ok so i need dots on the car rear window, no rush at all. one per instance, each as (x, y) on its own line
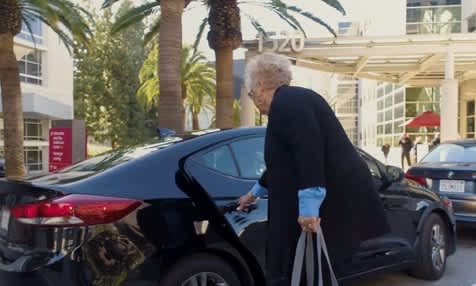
(117, 157)
(451, 153)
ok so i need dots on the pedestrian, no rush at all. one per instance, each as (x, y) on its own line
(385, 151)
(435, 142)
(418, 141)
(314, 174)
(406, 144)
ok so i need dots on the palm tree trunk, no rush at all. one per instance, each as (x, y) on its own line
(170, 40)
(12, 108)
(224, 98)
(195, 123)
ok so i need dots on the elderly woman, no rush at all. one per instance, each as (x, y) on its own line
(313, 172)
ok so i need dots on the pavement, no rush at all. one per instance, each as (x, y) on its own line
(460, 270)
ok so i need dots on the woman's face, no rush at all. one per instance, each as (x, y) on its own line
(260, 98)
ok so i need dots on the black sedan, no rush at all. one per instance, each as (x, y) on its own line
(450, 170)
(165, 214)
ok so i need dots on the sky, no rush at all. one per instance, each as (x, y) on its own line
(360, 10)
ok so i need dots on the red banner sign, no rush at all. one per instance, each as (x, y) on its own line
(60, 149)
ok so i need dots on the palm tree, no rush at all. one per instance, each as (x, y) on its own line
(169, 28)
(198, 83)
(224, 20)
(64, 18)
(225, 36)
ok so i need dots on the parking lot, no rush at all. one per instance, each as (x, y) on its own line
(460, 269)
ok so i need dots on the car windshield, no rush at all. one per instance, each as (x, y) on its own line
(114, 158)
(447, 153)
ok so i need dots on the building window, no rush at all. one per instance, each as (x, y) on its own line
(349, 29)
(472, 23)
(30, 68)
(33, 159)
(399, 97)
(344, 27)
(433, 16)
(33, 129)
(36, 33)
(470, 119)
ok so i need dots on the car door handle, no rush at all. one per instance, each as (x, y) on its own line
(232, 207)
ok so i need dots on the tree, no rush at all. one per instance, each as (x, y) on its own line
(64, 18)
(169, 27)
(106, 82)
(224, 20)
(225, 36)
(198, 83)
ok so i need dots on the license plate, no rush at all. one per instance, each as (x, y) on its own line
(4, 219)
(452, 186)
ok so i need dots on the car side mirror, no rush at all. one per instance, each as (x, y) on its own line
(394, 174)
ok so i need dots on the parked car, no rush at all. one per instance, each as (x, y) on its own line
(450, 170)
(165, 214)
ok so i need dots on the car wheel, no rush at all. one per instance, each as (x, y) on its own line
(432, 249)
(201, 270)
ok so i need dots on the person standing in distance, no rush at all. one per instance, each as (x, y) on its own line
(314, 175)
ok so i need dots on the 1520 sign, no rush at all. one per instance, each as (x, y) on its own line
(291, 43)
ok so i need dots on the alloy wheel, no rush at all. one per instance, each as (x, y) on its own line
(205, 279)
(438, 247)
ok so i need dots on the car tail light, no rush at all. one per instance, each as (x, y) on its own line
(74, 210)
(418, 179)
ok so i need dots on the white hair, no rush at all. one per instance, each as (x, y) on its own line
(271, 68)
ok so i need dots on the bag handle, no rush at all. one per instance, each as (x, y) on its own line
(305, 248)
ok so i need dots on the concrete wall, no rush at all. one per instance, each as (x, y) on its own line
(57, 72)
(320, 82)
(467, 93)
(368, 112)
(469, 8)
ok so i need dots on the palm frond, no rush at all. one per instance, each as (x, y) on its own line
(257, 25)
(335, 4)
(62, 16)
(28, 23)
(134, 15)
(109, 3)
(201, 30)
(153, 31)
(281, 9)
(313, 18)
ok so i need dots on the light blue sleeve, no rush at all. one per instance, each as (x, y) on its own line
(258, 190)
(310, 201)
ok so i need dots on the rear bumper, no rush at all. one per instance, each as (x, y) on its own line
(464, 209)
(21, 279)
(466, 219)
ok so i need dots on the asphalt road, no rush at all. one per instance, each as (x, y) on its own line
(460, 271)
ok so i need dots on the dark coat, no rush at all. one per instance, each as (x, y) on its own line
(306, 146)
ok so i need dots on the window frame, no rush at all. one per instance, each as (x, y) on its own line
(26, 77)
(39, 156)
(379, 165)
(213, 148)
(235, 157)
(196, 158)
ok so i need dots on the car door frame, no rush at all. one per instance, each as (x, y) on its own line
(378, 253)
(238, 220)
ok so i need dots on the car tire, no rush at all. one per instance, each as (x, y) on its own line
(432, 249)
(196, 269)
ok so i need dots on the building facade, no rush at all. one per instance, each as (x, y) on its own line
(46, 74)
(391, 63)
(396, 104)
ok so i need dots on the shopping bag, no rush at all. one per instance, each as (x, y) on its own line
(305, 249)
